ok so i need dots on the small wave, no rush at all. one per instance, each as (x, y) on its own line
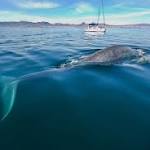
(144, 60)
(7, 42)
(135, 66)
(31, 35)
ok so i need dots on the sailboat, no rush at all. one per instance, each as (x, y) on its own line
(97, 27)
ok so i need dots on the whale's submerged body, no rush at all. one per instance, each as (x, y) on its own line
(108, 56)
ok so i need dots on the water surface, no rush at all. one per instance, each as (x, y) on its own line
(83, 107)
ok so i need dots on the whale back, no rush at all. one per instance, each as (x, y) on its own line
(111, 54)
(108, 56)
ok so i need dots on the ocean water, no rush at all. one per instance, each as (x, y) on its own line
(87, 107)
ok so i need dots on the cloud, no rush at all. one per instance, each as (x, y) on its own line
(126, 18)
(131, 15)
(84, 7)
(37, 5)
(18, 16)
(129, 18)
(119, 5)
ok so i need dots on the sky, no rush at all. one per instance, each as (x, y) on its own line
(75, 11)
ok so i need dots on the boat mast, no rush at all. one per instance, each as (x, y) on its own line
(103, 12)
(101, 6)
(99, 14)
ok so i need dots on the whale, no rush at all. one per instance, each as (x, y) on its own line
(113, 54)
(108, 56)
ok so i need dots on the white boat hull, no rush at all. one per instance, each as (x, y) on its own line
(95, 29)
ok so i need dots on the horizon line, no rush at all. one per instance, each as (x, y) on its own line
(62, 23)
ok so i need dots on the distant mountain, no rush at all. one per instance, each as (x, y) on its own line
(47, 24)
(25, 23)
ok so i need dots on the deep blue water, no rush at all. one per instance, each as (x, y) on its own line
(45, 107)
